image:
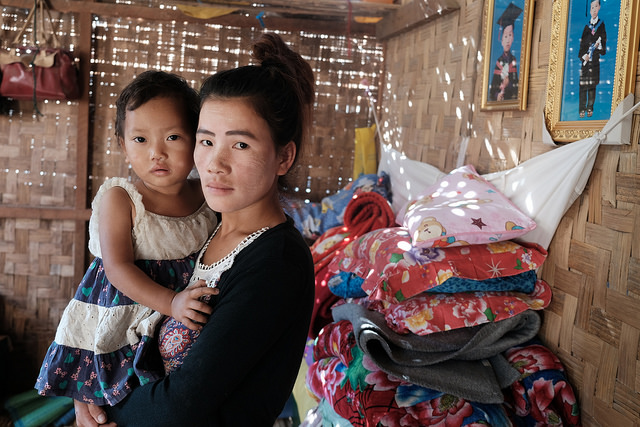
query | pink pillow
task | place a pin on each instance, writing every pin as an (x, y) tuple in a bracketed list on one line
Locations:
[(462, 208), (394, 270)]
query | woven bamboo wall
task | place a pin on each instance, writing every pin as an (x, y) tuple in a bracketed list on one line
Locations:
[(41, 256), (431, 102), (196, 51), (37, 169)]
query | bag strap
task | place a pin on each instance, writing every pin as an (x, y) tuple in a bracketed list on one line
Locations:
[(39, 9), (30, 17), (45, 9)]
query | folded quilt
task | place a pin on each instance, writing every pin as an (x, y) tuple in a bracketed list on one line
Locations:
[(427, 313), (393, 270), (366, 211), (366, 396), (347, 380), (465, 362)]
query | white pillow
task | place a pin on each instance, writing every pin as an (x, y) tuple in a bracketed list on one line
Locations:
[(543, 187), (408, 177)]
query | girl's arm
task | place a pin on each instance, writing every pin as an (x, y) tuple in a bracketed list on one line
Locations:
[(116, 218)]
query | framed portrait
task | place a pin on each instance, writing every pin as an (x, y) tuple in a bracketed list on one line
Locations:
[(506, 53), (592, 64)]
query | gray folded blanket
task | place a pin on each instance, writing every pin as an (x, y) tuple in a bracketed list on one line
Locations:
[(464, 362)]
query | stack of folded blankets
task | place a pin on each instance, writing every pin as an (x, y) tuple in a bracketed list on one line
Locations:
[(434, 317)]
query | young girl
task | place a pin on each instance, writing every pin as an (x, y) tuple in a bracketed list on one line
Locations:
[(144, 237), (241, 367)]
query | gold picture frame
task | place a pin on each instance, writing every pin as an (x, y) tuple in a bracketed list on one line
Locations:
[(567, 117), (500, 91)]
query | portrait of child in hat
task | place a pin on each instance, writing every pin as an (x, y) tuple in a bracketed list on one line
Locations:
[(504, 81)]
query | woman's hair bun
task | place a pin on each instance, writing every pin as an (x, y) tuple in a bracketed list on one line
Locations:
[(269, 49), (272, 52)]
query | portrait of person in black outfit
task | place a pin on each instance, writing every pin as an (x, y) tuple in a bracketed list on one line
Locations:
[(504, 82), (592, 45)]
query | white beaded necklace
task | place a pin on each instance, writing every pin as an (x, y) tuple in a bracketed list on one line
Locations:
[(211, 273)]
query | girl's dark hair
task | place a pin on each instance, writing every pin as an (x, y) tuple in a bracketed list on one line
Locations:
[(157, 84), (281, 89)]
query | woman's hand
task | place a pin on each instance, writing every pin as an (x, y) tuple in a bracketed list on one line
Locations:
[(188, 307), (90, 415)]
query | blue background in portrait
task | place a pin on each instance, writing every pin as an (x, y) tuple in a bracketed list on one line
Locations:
[(610, 14), (496, 35)]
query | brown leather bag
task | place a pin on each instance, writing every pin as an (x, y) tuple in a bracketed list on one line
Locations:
[(39, 72)]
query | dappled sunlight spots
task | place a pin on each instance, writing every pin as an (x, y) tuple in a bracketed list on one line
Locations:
[(514, 156), (528, 202), (404, 245), (487, 145)]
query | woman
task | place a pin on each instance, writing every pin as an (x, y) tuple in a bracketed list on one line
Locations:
[(240, 368)]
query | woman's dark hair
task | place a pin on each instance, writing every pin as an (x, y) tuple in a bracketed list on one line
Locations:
[(281, 89), (157, 84)]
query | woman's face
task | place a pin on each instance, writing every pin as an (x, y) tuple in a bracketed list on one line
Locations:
[(236, 158)]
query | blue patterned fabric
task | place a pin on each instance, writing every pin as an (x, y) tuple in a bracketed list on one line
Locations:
[(348, 285), (313, 219)]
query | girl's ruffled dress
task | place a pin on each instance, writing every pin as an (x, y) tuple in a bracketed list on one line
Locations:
[(104, 343)]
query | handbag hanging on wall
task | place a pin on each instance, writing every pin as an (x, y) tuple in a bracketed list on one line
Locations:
[(42, 71)]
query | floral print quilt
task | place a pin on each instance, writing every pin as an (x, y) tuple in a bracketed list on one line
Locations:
[(359, 392), (394, 270)]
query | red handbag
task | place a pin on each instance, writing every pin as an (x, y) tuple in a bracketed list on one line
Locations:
[(48, 74), (42, 72)]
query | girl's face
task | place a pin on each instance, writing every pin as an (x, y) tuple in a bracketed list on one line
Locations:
[(236, 158), (158, 143)]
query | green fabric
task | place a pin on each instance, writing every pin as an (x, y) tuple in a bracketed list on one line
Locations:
[(29, 409)]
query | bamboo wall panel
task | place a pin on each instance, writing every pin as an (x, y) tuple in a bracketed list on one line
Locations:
[(593, 266), (37, 158), (36, 282), (126, 47)]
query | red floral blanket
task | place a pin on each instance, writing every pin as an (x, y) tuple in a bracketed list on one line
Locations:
[(344, 377)]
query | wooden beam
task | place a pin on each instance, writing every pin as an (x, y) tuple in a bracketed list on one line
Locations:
[(83, 53), (335, 8), (413, 14), (45, 213), (82, 148), (323, 24)]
